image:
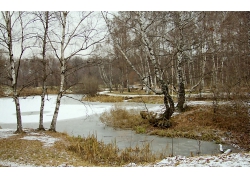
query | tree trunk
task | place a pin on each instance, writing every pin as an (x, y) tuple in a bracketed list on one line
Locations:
[(181, 88), (168, 101), (46, 15), (18, 114), (180, 61), (63, 68), (13, 72), (54, 120)]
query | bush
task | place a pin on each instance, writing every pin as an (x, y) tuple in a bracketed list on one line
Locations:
[(88, 86)]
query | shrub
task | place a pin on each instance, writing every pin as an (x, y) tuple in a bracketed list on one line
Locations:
[(88, 86)]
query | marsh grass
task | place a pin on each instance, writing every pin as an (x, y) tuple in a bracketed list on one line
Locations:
[(72, 151), (98, 153), (148, 99), (120, 117), (104, 98), (199, 122)]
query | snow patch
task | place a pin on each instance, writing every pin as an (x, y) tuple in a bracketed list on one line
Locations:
[(14, 164), (5, 133), (224, 160), (47, 140)]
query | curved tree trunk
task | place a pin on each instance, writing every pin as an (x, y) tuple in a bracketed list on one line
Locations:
[(168, 101)]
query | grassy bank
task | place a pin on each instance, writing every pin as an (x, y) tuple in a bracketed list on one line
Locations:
[(228, 124), (70, 151)]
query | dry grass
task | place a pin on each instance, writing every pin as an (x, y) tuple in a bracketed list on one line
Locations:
[(71, 151), (104, 98), (120, 117), (116, 99), (231, 121), (98, 153), (29, 91), (148, 99), (32, 91), (33, 152)]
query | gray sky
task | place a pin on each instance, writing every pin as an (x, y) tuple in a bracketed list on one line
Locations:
[(93, 27), (128, 5)]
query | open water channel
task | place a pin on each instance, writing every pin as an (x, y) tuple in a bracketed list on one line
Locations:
[(87, 123)]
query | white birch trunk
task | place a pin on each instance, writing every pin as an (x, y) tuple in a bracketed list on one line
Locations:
[(62, 76), (13, 71), (180, 79), (168, 101), (44, 61)]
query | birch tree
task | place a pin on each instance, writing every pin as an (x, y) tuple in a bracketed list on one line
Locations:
[(75, 37), (141, 28), (43, 17), (13, 28)]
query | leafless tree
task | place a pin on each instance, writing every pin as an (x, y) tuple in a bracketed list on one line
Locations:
[(75, 38), (141, 27), (44, 18), (14, 30)]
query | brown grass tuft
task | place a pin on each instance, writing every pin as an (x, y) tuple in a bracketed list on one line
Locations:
[(120, 117), (98, 153)]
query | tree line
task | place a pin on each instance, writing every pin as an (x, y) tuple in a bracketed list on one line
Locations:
[(167, 52)]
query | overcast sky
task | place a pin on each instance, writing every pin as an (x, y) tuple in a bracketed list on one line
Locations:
[(128, 5)]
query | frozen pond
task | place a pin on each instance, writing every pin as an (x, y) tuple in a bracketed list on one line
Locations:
[(82, 119)]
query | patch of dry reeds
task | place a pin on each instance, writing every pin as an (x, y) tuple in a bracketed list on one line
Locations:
[(104, 98), (98, 153), (120, 117)]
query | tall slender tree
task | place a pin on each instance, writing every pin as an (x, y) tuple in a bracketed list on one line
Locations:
[(14, 30), (75, 38), (44, 19)]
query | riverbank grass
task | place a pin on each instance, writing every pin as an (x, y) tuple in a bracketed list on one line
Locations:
[(70, 151), (228, 124)]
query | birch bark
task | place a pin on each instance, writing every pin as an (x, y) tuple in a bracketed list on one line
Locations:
[(168, 101), (44, 61), (62, 69), (8, 28), (73, 40)]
